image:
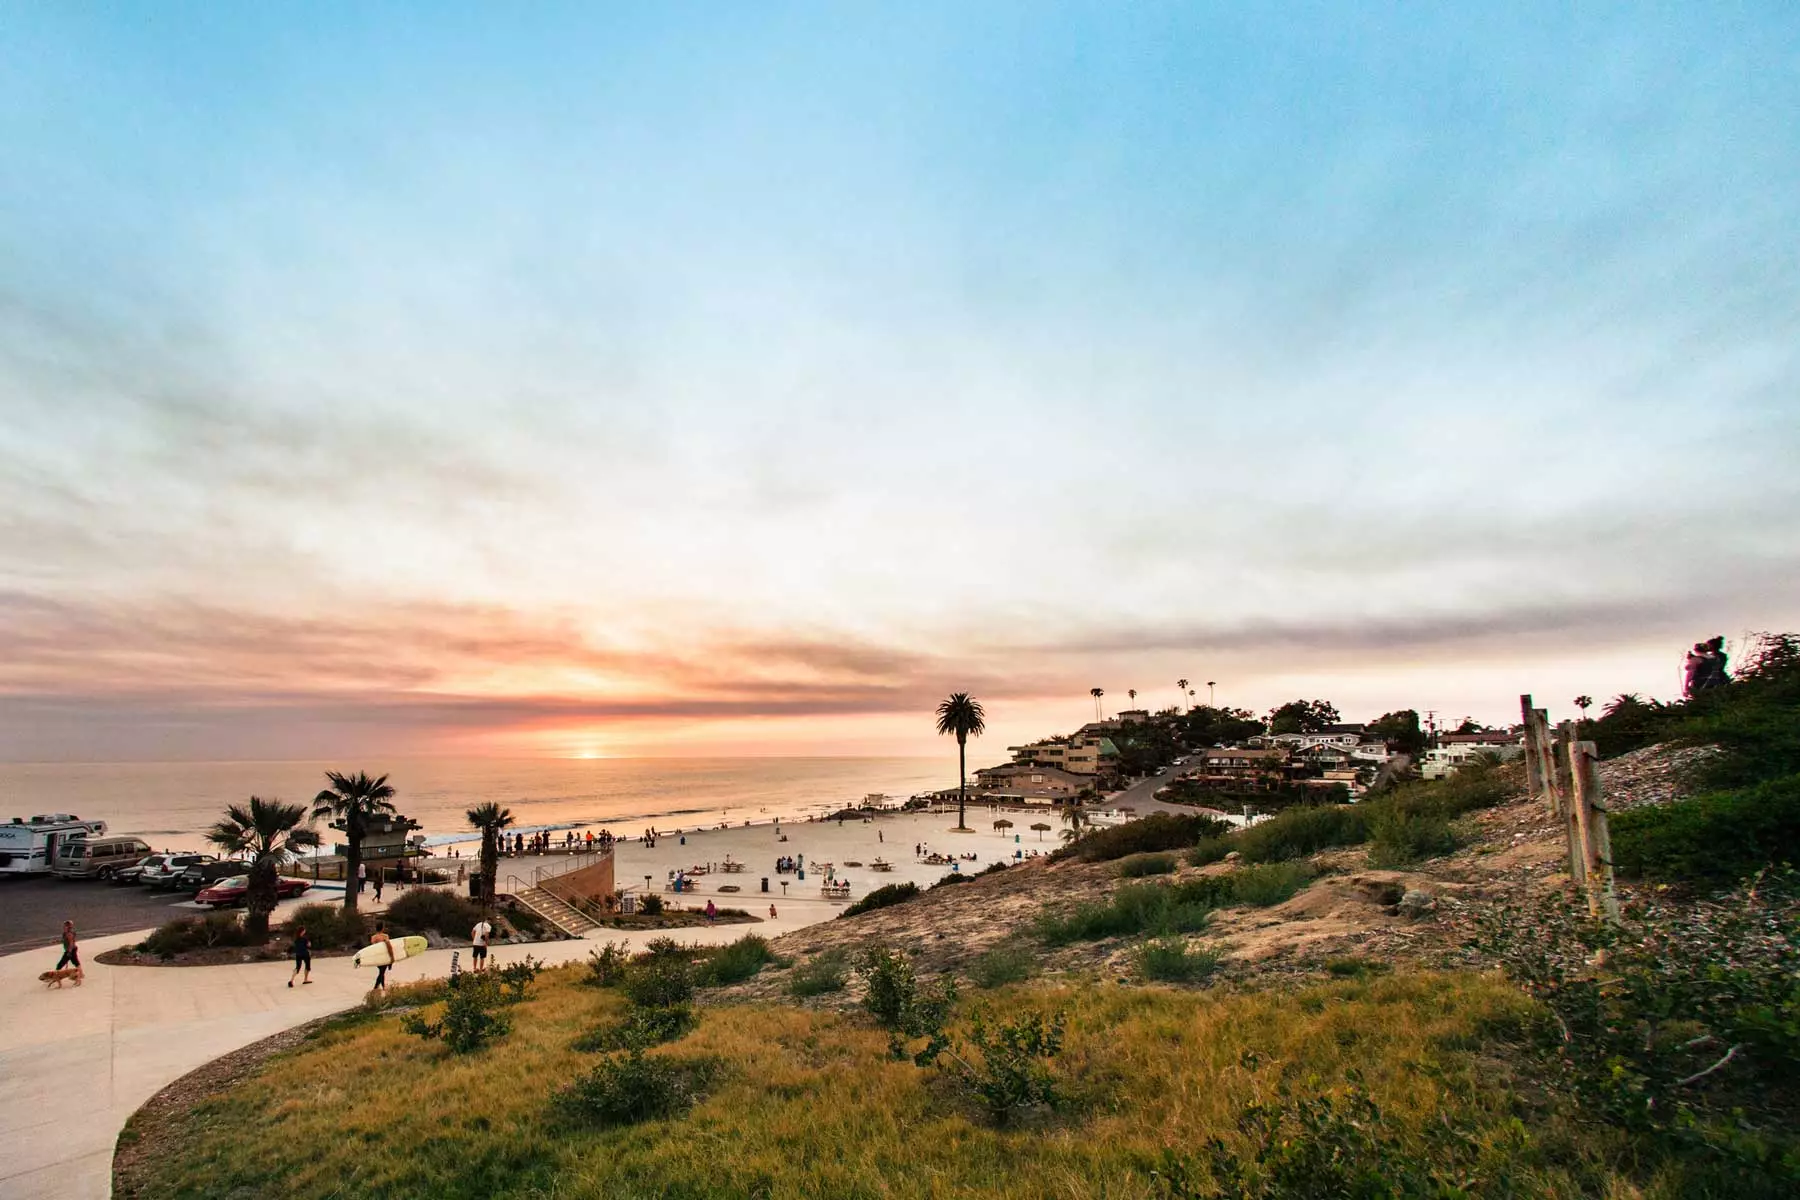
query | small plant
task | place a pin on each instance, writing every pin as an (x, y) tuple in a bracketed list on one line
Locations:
[(1139, 865), (629, 1088), (642, 1028), (826, 972), (1351, 967), (650, 904), (907, 1011), (1005, 1066), (1269, 884), (1399, 837), (517, 977), (882, 897), (1299, 832), (198, 933), (660, 981), (1134, 908), (469, 1021), (606, 966), (1170, 960), (1210, 850), (1010, 962), (736, 962), (330, 926)]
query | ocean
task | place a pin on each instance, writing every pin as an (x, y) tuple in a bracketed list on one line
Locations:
[(170, 804)]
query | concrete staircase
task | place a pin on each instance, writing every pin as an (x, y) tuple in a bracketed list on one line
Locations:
[(559, 913)]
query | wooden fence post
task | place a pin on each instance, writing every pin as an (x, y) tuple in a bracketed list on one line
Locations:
[(1603, 898), (1546, 751), (1577, 830), (1534, 779)]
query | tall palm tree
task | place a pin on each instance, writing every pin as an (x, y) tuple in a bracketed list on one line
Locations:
[(1132, 692), (1181, 689), (352, 801), (963, 716), (270, 832), (1584, 702), (490, 818), (1209, 694), (1096, 693), (1075, 816)]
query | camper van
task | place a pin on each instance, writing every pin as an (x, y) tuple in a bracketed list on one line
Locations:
[(28, 846), (97, 857)]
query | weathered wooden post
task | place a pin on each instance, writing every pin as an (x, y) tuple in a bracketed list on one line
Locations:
[(1534, 778), (1603, 898), (1563, 763)]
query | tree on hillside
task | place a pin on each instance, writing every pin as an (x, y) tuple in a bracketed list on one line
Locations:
[(1584, 703), (1096, 693), (353, 801), (270, 833), (1400, 729), (1205, 726), (1471, 725), (1303, 716), (1132, 693), (490, 818), (963, 716)]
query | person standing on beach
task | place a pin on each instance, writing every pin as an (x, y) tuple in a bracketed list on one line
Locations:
[(712, 912), (378, 874), (71, 955), (362, 876), (478, 938), (301, 951), (381, 969)]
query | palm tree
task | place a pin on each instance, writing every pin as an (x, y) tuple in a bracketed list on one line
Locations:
[(490, 818), (1584, 703), (352, 801), (270, 832), (1075, 816), (1096, 693), (1181, 689), (1132, 693), (1209, 694), (963, 716)]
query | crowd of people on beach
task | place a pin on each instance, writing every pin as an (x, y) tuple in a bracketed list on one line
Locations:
[(546, 842)]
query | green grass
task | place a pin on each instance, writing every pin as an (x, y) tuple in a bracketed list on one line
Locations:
[(1140, 865), (734, 962), (825, 972), (1159, 831), (1132, 909), (800, 1103), (1172, 960), (1009, 962), (1715, 839)]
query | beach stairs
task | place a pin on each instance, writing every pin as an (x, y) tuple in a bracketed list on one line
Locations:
[(559, 913)]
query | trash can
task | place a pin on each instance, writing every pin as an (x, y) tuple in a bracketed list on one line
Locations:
[(802, 874), (475, 887), (765, 879)]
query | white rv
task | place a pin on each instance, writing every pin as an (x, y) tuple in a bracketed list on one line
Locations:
[(28, 847)]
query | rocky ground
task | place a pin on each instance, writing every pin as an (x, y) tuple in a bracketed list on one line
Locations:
[(1351, 911)]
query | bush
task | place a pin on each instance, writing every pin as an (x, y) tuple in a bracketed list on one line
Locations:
[(881, 897), (330, 926), (606, 966), (198, 933), (1139, 865), (1004, 1067), (735, 962), (1270, 884), (907, 1011), (641, 1028), (1170, 960), (632, 1087), (1159, 831), (525, 922), (517, 977), (650, 904), (660, 981), (1303, 831), (1713, 839), (953, 877), (1007, 963), (826, 972), (1134, 908), (1210, 850), (1351, 967), (469, 1021), (1399, 837), (442, 912)]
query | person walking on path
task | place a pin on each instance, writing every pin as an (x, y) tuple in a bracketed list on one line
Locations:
[(478, 949), (301, 951), (712, 911), (71, 955), (362, 876), (381, 969), (378, 874)]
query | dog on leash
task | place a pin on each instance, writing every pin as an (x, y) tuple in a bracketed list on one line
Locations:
[(56, 979)]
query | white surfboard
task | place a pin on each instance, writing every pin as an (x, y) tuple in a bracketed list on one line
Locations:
[(383, 954)]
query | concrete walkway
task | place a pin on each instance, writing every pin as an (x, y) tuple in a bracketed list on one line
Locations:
[(75, 1063)]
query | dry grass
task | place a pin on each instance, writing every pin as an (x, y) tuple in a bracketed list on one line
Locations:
[(811, 1106)]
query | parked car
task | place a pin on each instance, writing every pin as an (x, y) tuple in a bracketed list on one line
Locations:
[(196, 876), (231, 891), (98, 858), (162, 871)]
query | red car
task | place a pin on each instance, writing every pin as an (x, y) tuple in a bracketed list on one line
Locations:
[(227, 892)]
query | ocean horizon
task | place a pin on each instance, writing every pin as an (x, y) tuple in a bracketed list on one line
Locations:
[(174, 801)]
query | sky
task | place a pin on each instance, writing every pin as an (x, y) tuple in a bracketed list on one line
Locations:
[(714, 379)]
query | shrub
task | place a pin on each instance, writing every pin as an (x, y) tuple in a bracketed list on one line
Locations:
[(1134, 908), (1007, 963), (517, 977), (1210, 850), (650, 904), (632, 1087), (1400, 837), (1139, 865), (953, 877), (606, 966), (1170, 960), (1159, 831), (907, 1011), (1299, 832), (469, 1021), (1351, 967), (1717, 838), (198, 933), (330, 926), (1005, 1067), (881, 897), (826, 972), (641, 1027), (660, 981), (735, 962), (422, 909), (525, 921), (1269, 884)]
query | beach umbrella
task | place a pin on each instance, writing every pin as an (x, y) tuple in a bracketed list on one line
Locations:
[(1042, 829), (1003, 823)]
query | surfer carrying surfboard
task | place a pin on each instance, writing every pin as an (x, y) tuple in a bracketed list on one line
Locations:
[(378, 937)]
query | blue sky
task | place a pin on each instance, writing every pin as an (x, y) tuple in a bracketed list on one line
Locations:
[(429, 378)]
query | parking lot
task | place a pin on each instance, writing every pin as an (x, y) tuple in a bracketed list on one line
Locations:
[(32, 910)]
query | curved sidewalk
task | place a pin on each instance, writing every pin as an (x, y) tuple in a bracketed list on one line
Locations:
[(75, 1063)]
